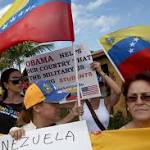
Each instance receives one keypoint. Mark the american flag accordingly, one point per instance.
(89, 90)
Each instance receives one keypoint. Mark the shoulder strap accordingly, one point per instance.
(97, 121)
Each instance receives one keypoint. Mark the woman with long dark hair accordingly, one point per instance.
(11, 104)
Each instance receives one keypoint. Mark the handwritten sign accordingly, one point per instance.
(58, 67)
(71, 136)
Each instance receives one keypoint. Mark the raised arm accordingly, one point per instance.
(115, 89)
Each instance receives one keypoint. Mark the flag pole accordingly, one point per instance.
(77, 78)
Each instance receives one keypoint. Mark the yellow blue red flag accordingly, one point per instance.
(36, 20)
(130, 139)
(129, 49)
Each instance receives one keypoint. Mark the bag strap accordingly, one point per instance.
(97, 121)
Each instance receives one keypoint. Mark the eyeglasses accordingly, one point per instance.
(16, 81)
(143, 97)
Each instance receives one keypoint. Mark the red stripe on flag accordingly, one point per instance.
(137, 63)
(49, 22)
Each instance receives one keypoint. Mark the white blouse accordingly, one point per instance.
(102, 114)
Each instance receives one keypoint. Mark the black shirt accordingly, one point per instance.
(8, 116)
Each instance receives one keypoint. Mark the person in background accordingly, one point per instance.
(137, 95)
(11, 103)
(42, 108)
(101, 106)
(25, 80)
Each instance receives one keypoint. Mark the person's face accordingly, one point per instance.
(138, 100)
(50, 112)
(14, 82)
(25, 83)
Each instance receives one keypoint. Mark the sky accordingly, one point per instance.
(95, 18)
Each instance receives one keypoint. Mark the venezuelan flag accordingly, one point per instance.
(17, 5)
(129, 139)
(36, 20)
(129, 49)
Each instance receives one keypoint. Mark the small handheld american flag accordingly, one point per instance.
(89, 90)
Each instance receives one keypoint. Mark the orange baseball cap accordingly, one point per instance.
(43, 91)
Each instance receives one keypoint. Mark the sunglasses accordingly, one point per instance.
(16, 81)
(142, 96)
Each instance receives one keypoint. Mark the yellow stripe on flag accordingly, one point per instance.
(131, 139)
(16, 6)
(142, 31)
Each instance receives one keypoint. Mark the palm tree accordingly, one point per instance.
(17, 54)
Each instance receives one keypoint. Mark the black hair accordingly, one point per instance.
(25, 75)
(4, 79)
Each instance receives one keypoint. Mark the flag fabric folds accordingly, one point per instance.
(129, 49)
(37, 20)
(129, 139)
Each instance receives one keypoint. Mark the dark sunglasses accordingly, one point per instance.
(16, 81)
(143, 97)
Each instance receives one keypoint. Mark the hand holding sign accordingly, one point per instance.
(71, 136)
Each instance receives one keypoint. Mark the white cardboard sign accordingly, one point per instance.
(71, 136)
(58, 67)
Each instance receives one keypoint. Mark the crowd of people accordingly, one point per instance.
(39, 105)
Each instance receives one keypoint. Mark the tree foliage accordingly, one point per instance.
(16, 54)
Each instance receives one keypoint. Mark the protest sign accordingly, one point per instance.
(71, 136)
(58, 67)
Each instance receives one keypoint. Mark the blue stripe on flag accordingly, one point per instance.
(126, 48)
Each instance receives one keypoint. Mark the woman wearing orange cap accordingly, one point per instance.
(42, 109)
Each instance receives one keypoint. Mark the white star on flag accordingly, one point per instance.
(27, 9)
(33, 6)
(132, 44)
(4, 26)
(12, 19)
(136, 39)
(131, 50)
(20, 14)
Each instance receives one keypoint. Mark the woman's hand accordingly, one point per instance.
(17, 134)
(76, 110)
(96, 66)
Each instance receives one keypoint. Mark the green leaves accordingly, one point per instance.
(17, 54)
